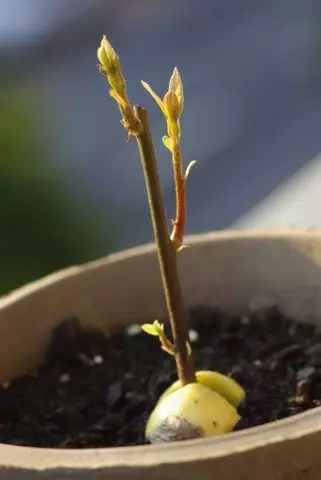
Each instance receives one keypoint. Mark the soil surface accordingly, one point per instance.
(96, 391)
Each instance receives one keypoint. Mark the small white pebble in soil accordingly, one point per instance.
(64, 378)
(98, 360)
(193, 336)
(5, 385)
(245, 320)
(258, 363)
(133, 329)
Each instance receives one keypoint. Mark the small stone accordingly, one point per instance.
(236, 369)
(64, 378)
(130, 395)
(245, 320)
(258, 363)
(6, 385)
(98, 360)
(193, 336)
(133, 330)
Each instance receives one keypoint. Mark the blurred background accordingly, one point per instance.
(71, 189)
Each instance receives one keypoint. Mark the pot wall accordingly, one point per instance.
(237, 271)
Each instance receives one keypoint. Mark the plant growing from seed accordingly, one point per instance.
(202, 403)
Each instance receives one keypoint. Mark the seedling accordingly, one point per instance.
(201, 403)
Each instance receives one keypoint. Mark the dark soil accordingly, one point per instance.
(96, 391)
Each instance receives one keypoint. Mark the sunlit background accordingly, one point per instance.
(72, 190)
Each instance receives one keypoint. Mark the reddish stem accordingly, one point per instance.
(178, 230)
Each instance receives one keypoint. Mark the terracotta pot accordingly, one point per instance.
(234, 270)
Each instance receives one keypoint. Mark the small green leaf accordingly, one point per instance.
(188, 169)
(167, 141)
(150, 329)
(159, 327)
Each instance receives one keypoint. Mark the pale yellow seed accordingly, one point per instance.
(192, 411)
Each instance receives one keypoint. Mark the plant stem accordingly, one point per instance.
(179, 222)
(166, 251)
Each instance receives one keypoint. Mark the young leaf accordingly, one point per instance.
(150, 329)
(159, 327)
(167, 141)
(176, 86)
(154, 95)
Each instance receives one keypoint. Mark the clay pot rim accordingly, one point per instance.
(291, 428)
(202, 238)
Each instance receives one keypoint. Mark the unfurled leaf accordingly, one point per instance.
(159, 327)
(157, 99)
(167, 141)
(150, 329)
